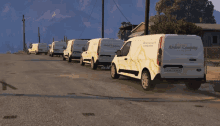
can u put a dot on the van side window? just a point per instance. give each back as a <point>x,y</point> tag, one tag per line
<point>125,49</point>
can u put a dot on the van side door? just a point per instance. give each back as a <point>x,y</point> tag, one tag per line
<point>123,58</point>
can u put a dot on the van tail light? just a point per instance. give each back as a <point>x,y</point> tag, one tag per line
<point>97,53</point>
<point>159,52</point>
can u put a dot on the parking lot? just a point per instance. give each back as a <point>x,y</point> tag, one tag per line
<point>46,90</point>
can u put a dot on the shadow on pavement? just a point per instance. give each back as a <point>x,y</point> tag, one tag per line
<point>41,60</point>
<point>167,88</point>
<point>111,98</point>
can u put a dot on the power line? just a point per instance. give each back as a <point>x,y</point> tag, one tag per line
<point>88,19</point>
<point>120,11</point>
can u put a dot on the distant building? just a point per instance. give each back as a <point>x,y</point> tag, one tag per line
<point>210,37</point>
<point>211,34</point>
<point>125,30</point>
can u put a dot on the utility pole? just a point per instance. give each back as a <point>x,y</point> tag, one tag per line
<point>102,18</point>
<point>39,33</point>
<point>24,49</point>
<point>53,39</point>
<point>64,38</point>
<point>146,16</point>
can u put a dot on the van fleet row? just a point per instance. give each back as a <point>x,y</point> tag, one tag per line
<point>154,59</point>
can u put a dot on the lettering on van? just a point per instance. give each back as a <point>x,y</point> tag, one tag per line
<point>109,45</point>
<point>148,44</point>
<point>182,46</point>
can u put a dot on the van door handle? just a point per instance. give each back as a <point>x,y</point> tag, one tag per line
<point>125,58</point>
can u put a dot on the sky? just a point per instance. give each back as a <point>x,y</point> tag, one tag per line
<point>72,18</point>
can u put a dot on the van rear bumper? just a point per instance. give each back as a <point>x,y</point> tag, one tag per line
<point>75,57</point>
<point>57,53</point>
<point>158,79</point>
<point>103,63</point>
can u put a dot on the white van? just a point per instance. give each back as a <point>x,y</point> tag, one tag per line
<point>38,48</point>
<point>101,51</point>
<point>74,49</point>
<point>162,58</point>
<point>57,48</point>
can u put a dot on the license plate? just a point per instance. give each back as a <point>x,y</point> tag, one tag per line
<point>174,70</point>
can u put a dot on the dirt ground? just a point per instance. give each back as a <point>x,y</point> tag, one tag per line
<point>213,73</point>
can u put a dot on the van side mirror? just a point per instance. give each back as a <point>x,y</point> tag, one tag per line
<point>83,49</point>
<point>118,53</point>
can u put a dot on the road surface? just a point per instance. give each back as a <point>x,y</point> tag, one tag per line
<point>43,90</point>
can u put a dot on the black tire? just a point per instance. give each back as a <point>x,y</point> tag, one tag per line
<point>45,53</point>
<point>193,85</point>
<point>81,62</point>
<point>51,54</point>
<point>64,58</point>
<point>146,82</point>
<point>93,65</point>
<point>69,59</point>
<point>113,72</point>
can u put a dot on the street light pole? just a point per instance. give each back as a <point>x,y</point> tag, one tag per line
<point>23,33</point>
<point>102,18</point>
<point>146,17</point>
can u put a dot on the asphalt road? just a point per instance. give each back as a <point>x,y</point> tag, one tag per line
<point>47,91</point>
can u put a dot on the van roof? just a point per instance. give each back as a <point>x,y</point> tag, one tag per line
<point>157,36</point>
<point>39,43</point>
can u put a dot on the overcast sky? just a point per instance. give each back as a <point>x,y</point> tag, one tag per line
<point>71,18</point>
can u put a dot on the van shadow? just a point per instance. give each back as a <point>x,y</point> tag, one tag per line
<point>41,60</point>
<point>165,88</point>
<point>99,68</point>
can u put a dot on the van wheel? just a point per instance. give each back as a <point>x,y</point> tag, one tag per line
<point>93,65</point>
<point>45,53</point>
<point>69,59</point>
<point>114,74</point>
<point>64,57</point>
<point>146,82</point>
<point>81,62</point>
<point>193,85</point>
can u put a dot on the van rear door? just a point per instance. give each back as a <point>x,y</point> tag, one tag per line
<point>77,47</point>
<point>108,48</point>
<point>183,57</point>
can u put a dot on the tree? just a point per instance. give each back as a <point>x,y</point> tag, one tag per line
<point>175,27</point>
<point>191,10</point>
